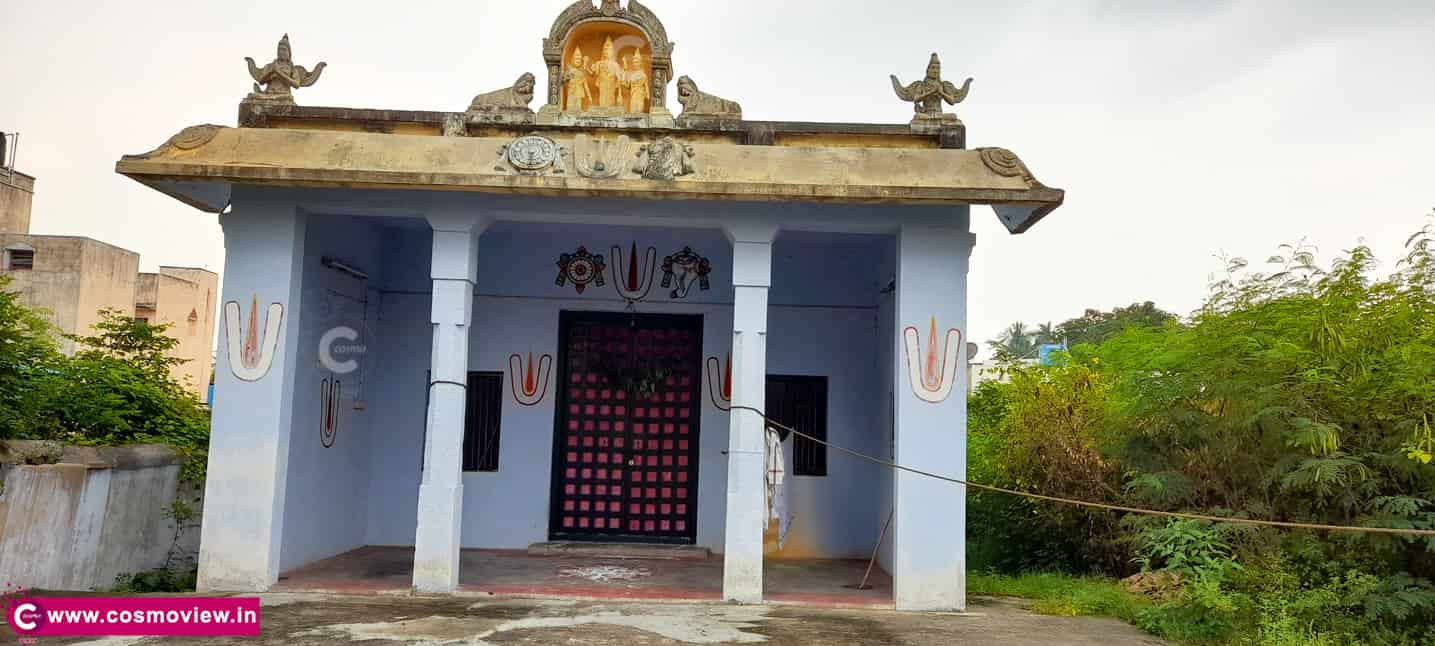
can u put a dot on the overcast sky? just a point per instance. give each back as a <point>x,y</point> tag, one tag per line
<point>1179,130</point>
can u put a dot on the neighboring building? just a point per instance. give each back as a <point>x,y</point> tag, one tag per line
<point>70,279</point>
<point>17,190</point>
<point>184,298</point>
<point>980,372</point>
<point>493,327</point>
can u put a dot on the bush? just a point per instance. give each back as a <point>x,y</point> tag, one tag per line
<point>116,389</point>
<point>1301,393</point>
<point>180,572</point>
<point>1062,595</point>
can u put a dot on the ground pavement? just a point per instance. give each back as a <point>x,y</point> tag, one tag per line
<point>307,618</point>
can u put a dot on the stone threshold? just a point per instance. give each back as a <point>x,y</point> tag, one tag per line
<point>620,550</point>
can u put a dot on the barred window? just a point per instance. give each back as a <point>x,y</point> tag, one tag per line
<point>801,403</point>
<point>482,421</point>
<point>19,259</point>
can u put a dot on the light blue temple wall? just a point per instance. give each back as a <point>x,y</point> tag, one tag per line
<point>823,321</point>
<point>885,372</point>
<point>326,503</point>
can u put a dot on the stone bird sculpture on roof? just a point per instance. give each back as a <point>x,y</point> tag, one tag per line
<point>281,76</point>
<point>928,94</point>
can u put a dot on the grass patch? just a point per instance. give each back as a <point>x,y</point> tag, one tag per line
<point>1063,595</point>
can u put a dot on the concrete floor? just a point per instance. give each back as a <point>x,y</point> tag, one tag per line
<point>311,619</point>
<point>371,570</point>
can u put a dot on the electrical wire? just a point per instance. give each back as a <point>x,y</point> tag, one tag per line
<point>1088,503</point>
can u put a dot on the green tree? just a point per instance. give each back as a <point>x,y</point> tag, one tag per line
<point>1019,342</point>
<point>27,357</point>
<point>1014,343</point>
<point>1096,326</point>
<point>118,389</point>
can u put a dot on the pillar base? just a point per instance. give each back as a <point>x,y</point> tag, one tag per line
<point>742,557</point>
<point>437,539</point>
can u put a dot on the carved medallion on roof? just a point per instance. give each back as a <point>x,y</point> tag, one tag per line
<point>1005,163</point>
<point>188,139</point>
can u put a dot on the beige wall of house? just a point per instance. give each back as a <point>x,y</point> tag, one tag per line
<point>183,297</point>
<point>17,191</point>
<point>71,279</point>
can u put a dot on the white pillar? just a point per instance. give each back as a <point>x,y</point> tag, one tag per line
<point>253,396</point>
<point>929,531</point>
<point>440,510</point>
<point>746,504</point>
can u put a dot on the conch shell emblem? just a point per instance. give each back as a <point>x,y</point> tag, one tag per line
<point>529,382</point>
<point>932,381</point>
<point>251,354</point>
<point>686,268</point>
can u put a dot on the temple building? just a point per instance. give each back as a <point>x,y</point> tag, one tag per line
<point>501,328</point>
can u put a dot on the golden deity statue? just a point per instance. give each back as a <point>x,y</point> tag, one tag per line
<point>575,81</point>
<point>637,82</point>
<point>607,74</point>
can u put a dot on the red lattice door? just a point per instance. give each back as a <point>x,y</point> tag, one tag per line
<point>625,461</point>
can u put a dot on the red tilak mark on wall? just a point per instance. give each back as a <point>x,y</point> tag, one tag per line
<point>529,382</point>
<point>250,357</point>
<point>934,374</point>
<point>720,382</point>
<point>633,267</point>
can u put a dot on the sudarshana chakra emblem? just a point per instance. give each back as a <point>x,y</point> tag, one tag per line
<point>532,152</point>
<point>580,268</point>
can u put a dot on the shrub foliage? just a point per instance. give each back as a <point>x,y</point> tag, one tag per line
<point>1298,392</point>
<point>115,389</point>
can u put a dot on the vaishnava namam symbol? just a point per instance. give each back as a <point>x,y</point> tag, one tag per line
<point>330,392</point>
<point>932,382</point>
<point>634,287</point>
<point>251,355</point>
<point>720,382</point>
<point>529,386</point>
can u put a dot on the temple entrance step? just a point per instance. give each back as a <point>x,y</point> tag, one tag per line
<point>619,550</point>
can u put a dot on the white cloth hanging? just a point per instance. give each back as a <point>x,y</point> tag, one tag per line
<point>776,479</point>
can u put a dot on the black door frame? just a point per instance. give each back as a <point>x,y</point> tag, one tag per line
<point>566,319</point>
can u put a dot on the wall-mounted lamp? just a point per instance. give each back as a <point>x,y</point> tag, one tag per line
<point>339,266</point>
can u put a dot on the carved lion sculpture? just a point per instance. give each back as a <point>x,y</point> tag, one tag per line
<point>700,104</point>
<point>517,96</point>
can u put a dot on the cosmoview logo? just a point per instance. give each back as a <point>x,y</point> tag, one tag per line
<point>339,350</point>
<point>21,612</point>
<point>25,616</point>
